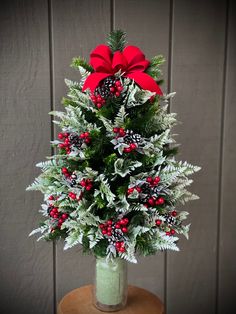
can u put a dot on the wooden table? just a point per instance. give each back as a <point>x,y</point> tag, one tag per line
<point>140,301</point>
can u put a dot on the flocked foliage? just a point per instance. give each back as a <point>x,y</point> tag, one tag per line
<point>114,185</point>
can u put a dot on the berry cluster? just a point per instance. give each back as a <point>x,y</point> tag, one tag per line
<point>73,140</point>
<point>148,193</point>
<point>129,138</point>
<point>70,177</point>
<point>74,196</point>
<point>110,87</point>
<point>153,181</point>
<point>167,224</point>
<point>58,218</point>
<point>87,184</point>
<point>114,231</point>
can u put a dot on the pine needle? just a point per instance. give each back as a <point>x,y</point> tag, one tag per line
<point>117,40</point>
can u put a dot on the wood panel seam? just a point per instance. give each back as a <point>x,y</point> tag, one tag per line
<point>169,86</point>
<point>112,15</point>
<point>221,155</point>
<point>52,107</point>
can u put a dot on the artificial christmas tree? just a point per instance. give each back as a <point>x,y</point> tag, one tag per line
<point>114,184</point>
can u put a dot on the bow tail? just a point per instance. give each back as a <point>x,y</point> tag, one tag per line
<point>93,80</point>
<point>145,82</point>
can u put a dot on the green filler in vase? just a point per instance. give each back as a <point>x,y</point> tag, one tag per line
<point>110,284</point>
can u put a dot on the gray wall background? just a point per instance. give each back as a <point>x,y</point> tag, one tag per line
<point>38,39</point>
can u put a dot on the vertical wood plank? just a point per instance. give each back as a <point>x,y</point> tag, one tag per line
<point>77,27</point>
<point>227,246</point>
<point>26,272</point>
<point>197,76</point>
<point>147,26</point>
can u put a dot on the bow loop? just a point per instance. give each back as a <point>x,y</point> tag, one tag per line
<point>119,62</point>
<point>100,59</point>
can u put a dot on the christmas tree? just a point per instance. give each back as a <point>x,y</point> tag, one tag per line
<point>114,184</point>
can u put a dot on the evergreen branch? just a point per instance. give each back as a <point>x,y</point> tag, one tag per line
<point>154,67</point>
<point>81,62</point>
<point>117,40</point>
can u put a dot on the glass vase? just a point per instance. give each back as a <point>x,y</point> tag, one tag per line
<point>110,287</point>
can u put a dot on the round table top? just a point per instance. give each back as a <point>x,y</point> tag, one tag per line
<point>140,301</point>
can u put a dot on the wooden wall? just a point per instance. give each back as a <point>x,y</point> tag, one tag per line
<point>38,39</point>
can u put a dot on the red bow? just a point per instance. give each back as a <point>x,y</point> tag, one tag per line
<point>131,62</point>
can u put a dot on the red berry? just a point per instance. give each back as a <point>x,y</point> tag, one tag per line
<point>133,146</point>
<point>151,201</point>
<point>117,94</point>
<point>83,183</point>
<point>120,88</point>
<point>51,197</point>
<point>158,222</point>
<point>51,214</point>
<point>167,232</point>
<point>55,216</point>
<point>104,231</point>
<point>72,195</point>
<point>66,142</point>
<point>117,245</point>
<point>121,249</point>
<point>86,134</point>
<point>87,140</point>
<point>161,201</point>
<point>99,105</point>
<point>172,231</point>
<point>157,180</point>
<point>109,228</point>
<point>82,135</point>
<point>55,210</point>
<point>124,229</point>
<point>174,213</point>
<point>122,222</point>
<point>64,216</point>
<point>122,134</point>
<point>61,221</point>
<point>117,83</point>
<point>126,220</point>
<point>99,98</point>
<point>112,89</point>
<point>109,233</point>
<point>60,136</point>
<point>116,130</point>
<point>138,189</point>
<point>61,146</point>
<point>117,226</point>
<point>127,149</point>
<point>64,170</point>
<point>130,190</point>
<point>109,222</point>
<point>88,187</point>
<point>101,226</point>
<point>66,134</point>
<point>149,179</point>
<point>93,98</point>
